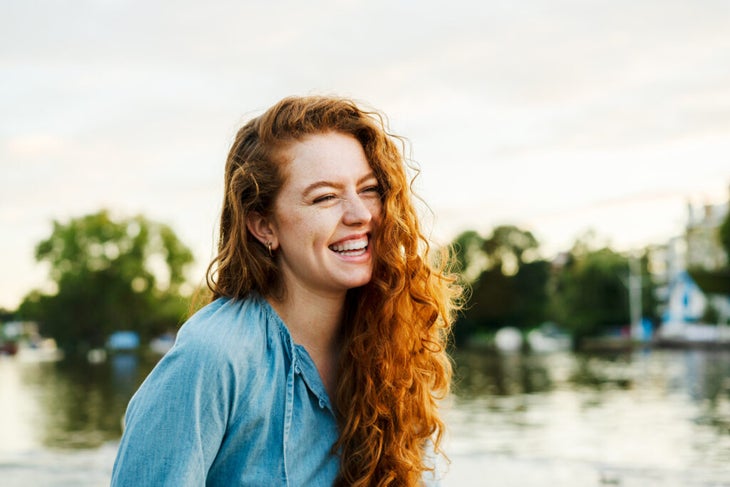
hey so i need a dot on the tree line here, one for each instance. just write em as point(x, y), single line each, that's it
point(114, 274)
point(583, 290)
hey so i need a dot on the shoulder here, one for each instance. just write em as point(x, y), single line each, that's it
point(217, 351)
point(230, 328)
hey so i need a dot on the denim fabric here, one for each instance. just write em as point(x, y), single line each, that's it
point(235, 402)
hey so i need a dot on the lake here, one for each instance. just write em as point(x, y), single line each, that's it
point(642, 418)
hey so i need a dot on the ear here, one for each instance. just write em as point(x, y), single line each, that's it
point(262, 229)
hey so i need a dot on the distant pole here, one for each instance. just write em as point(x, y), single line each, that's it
point(635, 296)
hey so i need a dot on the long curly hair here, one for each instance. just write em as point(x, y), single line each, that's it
point(394, 369)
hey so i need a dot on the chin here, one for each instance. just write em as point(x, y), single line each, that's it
point(364, 282)
point(355, 283)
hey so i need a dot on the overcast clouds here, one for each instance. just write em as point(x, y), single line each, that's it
point(556, 115)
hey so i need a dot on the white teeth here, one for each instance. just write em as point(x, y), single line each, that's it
point(359, 244)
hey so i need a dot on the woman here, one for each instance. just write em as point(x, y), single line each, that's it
point(320, 360)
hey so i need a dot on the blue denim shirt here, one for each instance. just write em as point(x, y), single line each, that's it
point(234, 402)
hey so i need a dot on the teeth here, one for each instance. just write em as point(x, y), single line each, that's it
point(350, 245)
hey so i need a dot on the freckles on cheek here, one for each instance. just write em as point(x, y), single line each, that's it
point(299, 227)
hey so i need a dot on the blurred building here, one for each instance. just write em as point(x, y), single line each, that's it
point(694, 279)
point(702, 235)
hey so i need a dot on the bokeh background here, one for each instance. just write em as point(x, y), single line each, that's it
point(556, 116)
point(576, 122)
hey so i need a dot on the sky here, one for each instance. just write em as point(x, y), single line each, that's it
point(558, 116)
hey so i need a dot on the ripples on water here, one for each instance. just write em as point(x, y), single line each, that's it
point(646, 418)
point(60, 421)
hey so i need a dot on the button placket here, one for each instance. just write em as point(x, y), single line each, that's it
point(289, 414)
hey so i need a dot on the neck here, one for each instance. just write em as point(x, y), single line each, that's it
point(313, 319)
point(314, 322)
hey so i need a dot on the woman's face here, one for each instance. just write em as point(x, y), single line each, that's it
point(325, 215)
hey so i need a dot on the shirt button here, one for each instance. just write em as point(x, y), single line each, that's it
point(321, 404)
point(297, 369)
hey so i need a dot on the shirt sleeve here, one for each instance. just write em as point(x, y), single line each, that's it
point(176, 421)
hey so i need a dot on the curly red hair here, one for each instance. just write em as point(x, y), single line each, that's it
point(394, 369)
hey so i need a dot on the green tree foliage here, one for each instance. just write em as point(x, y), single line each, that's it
point(468, 255)
point(530, 289)
point(6, 315)
point(649, 300)
point(725, 236)
point(585, 290)
point(589, 293)
point(110, 275)
point(510, 283)
point(508, 248)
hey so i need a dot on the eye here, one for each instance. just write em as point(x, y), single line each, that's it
point(374, 189)
point(324, 198)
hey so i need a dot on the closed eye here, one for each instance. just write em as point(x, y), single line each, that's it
point(323, 198)
point(372, 189)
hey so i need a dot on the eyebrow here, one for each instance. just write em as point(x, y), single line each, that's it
point(330, 184)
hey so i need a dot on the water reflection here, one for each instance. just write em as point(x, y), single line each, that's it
point(648, 417)
point(486, 374)
point(703, 374)
point(18, 408)
point(77, 405)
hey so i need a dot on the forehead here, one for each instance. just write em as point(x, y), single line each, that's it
point(328, 156)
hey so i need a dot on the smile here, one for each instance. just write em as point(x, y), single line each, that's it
point(351, 247)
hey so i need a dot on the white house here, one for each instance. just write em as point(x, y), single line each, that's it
point(685, 301)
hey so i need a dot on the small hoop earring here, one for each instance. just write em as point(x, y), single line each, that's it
point(268, 246)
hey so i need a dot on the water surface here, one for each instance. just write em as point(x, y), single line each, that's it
point(645, 418)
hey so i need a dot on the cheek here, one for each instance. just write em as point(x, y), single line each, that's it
point(375, 206)
point(292, 227)
point(377, 211)
point(300, 228)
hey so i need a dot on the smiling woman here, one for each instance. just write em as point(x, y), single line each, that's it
point(320, 359)
point(323, 217)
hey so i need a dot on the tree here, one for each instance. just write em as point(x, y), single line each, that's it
point(508, 247)
point(530, 289)
point(649, 300)
point(589, 293)
point(725, 236)
point(6, 315)
point(468, 255)
point(122, 274)
point(509, 283)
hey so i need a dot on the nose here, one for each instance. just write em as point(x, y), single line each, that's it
point(357, 211)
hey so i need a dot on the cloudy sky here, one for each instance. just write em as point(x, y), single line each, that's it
point(554, 115)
